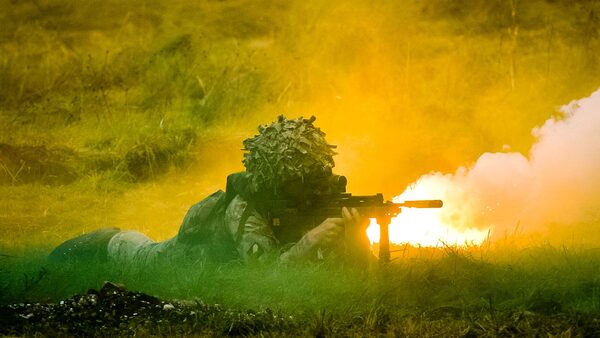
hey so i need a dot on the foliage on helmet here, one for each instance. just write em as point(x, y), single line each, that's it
point(286, 150)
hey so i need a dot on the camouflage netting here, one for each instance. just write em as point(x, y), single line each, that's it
point(286, 150)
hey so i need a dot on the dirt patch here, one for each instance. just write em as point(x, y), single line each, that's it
point(21, 164)
point(152, 156)
point(115, 311)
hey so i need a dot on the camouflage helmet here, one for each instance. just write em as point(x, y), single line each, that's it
point(284, 151)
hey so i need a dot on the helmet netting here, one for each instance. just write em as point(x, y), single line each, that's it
point(284, 151)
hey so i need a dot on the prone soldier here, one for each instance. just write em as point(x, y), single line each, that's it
point(287, 160)
point(287, 206)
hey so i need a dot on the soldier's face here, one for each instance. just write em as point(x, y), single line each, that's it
point(311, 186)
point(293, 190)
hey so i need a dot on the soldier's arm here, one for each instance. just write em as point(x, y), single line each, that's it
point(256, 241)
point(321, 236)
point(253, 238)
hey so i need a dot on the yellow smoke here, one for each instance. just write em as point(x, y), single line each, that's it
point(403, 88)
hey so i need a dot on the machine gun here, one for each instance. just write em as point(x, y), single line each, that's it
point(291, 218)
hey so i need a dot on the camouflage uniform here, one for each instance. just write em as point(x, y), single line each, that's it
point(228, 225)
point(250, 238)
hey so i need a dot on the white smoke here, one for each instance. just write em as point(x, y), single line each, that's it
point(557, 184)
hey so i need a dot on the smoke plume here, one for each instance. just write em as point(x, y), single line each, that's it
point(554, 192)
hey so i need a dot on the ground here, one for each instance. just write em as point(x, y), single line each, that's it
point(126, 113)
point(424, 292)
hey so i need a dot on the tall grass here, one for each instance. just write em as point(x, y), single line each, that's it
point(152, 100)
point(541, 279)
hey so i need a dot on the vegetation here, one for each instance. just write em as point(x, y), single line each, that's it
point(109, 98)
point(472, 291)
point(125, 113)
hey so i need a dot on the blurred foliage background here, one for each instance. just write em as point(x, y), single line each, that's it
point(124, 113)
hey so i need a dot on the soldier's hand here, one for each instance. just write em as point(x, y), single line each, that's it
point(351, 217)
point(357, 242)
point(327, 232)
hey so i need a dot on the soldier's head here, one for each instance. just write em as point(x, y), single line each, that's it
point(288, 158)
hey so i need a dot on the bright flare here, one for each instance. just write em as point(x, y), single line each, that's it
point(425, 228)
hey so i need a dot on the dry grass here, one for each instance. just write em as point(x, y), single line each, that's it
point(152, 99)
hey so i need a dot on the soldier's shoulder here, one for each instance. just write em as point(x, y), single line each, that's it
point(202, 218)
point(242, 213)
point(235, 213)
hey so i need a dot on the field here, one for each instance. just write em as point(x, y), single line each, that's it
point(125, 113)
point(441, 292)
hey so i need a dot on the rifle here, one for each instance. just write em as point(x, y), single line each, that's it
point(286, 216)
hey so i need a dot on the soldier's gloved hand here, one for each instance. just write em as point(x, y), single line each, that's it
point(327, 232)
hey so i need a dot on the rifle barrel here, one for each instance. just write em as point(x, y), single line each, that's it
point(422, 204)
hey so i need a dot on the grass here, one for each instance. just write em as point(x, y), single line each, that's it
point(125, 113)
point(429, 279)
point(441, 292)
point(453, 80)
point(135, 91)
